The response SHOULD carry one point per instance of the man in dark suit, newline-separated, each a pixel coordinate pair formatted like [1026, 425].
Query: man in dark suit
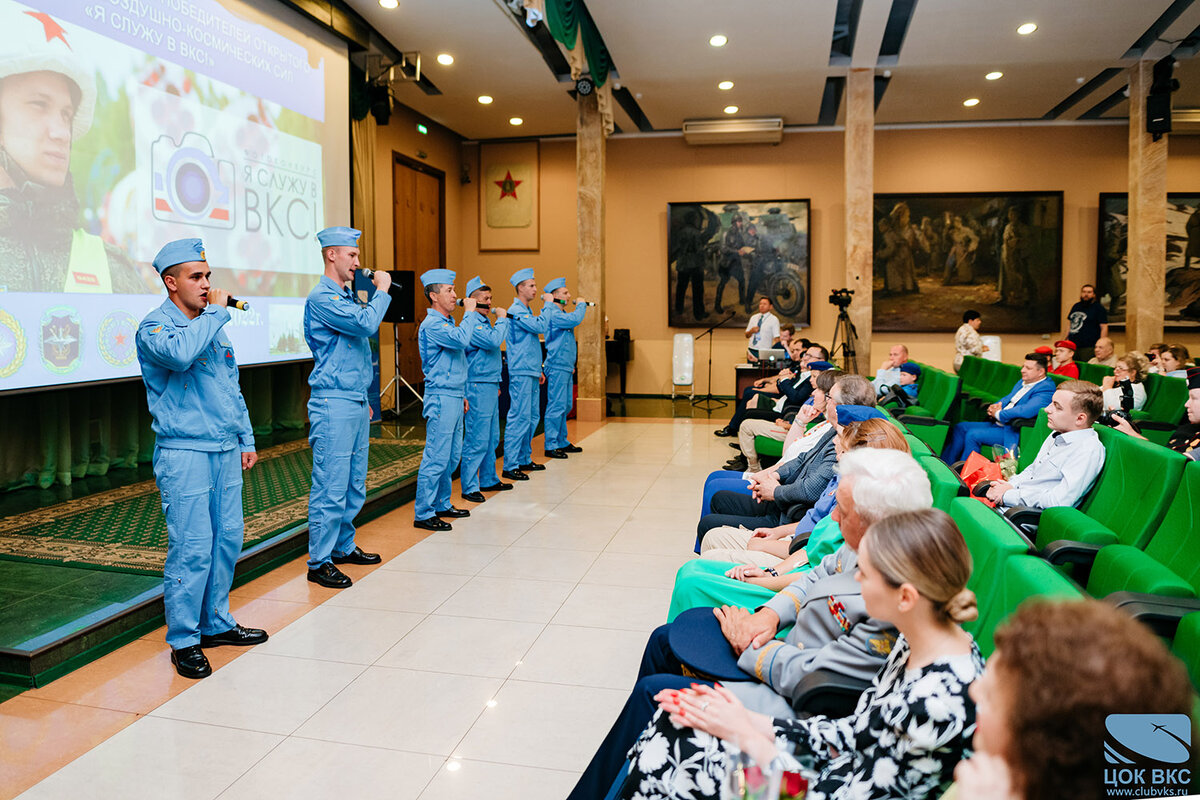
[1028, 396]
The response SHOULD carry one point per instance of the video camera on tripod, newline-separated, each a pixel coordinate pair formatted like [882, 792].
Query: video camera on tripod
[844, 330]
[841, 298]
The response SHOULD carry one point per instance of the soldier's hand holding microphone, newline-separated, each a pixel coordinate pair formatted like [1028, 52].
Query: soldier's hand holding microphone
[382, 280]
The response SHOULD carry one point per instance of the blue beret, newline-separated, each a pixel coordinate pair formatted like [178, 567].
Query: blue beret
[847, 414]
[437, 276]
[521, 275]
[696, 640]
[338, 237]
[475, 284]
[557, 283]
[820, 365]
[179, 251]
[910, 367]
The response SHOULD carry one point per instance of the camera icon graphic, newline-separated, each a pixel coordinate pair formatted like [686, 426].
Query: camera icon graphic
[190, 184]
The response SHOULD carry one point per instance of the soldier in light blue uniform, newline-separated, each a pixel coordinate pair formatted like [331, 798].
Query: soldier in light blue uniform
[443, 349]
[203, 442]
[524, 377]
[336, 328]
[477, 473]
[560, 365]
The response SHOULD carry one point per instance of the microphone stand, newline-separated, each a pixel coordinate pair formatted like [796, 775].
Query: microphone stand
[708, 402]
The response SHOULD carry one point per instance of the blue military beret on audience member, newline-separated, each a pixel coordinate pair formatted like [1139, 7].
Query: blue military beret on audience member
[338, 236]
[1193, 378]
[696, 640]
[475, 284]
[820, 366]
[847, 414]
[179, 251]
[556, 283]
[434, 276]
[521, 275]
[911, 368]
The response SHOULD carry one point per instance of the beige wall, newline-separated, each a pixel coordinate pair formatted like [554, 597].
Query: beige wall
[646, 174]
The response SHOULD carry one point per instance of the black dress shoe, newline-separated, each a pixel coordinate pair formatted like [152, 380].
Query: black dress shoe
[571, 448]
[499, 487]
[433, 524]
[724, 433]
[555, 454]
[237, 635]
[532, 467]
[330, 577]
[357, 556]
[190, 662]
[514, 475]
[735, 445]
[474, 497]
[454, 513]
[736, 465]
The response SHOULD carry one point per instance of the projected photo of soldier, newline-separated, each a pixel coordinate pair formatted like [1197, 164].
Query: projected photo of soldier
[47, 98]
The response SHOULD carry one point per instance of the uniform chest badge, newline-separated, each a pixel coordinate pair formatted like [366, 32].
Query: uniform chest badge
[838, 610]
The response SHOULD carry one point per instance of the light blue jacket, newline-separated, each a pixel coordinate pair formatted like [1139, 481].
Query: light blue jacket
[560, 336]
[483, 351]
[337, 328]
[191, 379]
[443, 346]
[524, 347]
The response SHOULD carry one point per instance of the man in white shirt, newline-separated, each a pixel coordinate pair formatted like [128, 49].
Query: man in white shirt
[1069, 460]
[888, 374]
[763, 328]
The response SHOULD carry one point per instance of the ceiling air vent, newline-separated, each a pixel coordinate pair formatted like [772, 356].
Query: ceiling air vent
[733, 131]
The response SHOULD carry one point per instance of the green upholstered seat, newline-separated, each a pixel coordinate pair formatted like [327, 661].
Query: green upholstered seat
[1017, 579]
[1164, 399]
[944, 484]
[991, 540]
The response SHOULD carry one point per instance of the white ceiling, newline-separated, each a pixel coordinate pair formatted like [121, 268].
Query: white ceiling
[778, 58]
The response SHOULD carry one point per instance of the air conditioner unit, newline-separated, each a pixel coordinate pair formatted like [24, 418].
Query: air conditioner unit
[1185, 121]
[733, 131]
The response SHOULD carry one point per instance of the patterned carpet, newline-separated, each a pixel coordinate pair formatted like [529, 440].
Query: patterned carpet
[124, 528]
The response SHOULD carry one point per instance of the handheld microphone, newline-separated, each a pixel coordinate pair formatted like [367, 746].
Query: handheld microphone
[564, 302]
[485, 306]
[240, 305]
[367, 273]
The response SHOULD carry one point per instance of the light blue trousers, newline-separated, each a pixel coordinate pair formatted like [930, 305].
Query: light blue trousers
[339, 431]
[202, 501]
[558, 405]
[443, 450]
[482, 437]
[523, 412]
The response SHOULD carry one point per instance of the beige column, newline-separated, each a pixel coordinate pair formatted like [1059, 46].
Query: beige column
[860, 188]
[1147, 236]
[589, 175]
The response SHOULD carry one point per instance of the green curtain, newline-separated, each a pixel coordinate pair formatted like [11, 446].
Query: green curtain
[59, 435]
[568, 20]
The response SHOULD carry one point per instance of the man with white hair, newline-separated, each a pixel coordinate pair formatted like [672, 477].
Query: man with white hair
[830, 627]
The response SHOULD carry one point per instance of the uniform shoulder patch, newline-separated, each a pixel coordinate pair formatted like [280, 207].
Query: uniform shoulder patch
[156, 329]
[882, 644]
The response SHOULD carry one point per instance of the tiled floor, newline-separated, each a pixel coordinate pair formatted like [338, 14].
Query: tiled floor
[484, 662]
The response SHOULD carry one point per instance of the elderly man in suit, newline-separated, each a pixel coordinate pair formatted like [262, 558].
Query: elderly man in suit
[1028, 396]
[830, 626]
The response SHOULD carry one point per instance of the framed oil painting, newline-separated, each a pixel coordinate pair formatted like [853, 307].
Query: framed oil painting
[937, 255]
[722, 256]
[1181, 300]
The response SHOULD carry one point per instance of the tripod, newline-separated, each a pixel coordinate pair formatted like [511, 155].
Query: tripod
[849, 336]
[396, 376]
[708, 402]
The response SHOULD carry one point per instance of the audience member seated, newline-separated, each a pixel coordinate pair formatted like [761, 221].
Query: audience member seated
[1058, 671]
[1070, 458]
[1131, 367]
[778, 428]
[1174, 361]
[904, 393]
[850, 642]
[1186, 438]
[888, 373]
[747, 406]
[1028, 396]
[1152, 353]
[1063, 360]
[967, 341]
[911, 726]
[787, 332]
[1106, 353]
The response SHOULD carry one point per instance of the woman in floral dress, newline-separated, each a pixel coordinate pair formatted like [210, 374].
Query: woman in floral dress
[910, 727]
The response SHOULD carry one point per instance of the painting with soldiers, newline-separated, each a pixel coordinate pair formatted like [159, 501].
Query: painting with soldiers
[938, 254]
[723, 256]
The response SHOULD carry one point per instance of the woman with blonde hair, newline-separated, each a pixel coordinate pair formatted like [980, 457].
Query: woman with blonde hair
[910, 727]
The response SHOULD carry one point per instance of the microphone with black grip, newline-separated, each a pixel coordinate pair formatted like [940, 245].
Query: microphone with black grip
[240, 305]
[564, 302]
[477, 305]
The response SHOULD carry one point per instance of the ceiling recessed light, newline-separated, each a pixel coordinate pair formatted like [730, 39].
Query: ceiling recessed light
[718, 40]
[389, 3]
[485, 99]
[445, 59]
[515, 121]
[453, 766]
[731, 109]
[994, 76]
[970, 102]
[725, 86]
[1027, 28]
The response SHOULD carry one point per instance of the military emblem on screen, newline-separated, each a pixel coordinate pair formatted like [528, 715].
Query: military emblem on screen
[1149, 755]
[12, 345]
[62, 338]
[190, 184]
[115, 338]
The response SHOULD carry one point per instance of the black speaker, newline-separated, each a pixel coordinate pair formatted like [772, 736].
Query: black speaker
[1158, 99]
[403, 292]
[381, 103]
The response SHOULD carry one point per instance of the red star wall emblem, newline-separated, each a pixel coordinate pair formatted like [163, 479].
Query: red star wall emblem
[53, 29]
[508, 186]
